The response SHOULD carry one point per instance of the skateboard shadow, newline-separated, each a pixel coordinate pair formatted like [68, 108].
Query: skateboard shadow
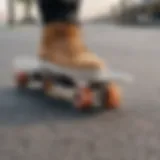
[32, 106]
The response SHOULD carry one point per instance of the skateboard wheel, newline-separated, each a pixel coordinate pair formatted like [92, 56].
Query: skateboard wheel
[22, 79]
[83, 99]
[112, 96]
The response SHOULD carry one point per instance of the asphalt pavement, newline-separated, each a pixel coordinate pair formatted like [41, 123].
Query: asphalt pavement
[35, 127]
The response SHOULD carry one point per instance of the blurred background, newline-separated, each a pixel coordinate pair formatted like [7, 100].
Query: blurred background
[35, 127]
[117, 11]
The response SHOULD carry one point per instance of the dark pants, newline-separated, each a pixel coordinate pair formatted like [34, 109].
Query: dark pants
[59, 10]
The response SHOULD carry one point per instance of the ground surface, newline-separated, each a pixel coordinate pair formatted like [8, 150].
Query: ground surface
[33, 127]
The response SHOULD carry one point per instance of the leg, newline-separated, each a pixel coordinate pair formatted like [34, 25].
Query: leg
[59, 10]
[61, 34]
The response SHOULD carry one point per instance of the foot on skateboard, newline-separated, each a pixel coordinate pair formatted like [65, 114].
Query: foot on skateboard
[90, 88]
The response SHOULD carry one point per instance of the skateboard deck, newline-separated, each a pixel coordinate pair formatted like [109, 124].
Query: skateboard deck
[32, 65]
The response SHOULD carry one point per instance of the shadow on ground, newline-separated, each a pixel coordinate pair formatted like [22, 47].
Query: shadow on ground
[32, 106]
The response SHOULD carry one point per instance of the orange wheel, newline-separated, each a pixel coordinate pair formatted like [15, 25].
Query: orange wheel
[112, 96]
[83, 99]
[22, 79]
[47, 86]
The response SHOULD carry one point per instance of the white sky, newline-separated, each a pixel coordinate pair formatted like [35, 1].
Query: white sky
[2, 4]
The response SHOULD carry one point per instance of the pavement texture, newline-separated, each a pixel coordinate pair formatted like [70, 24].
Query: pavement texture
[35, 127]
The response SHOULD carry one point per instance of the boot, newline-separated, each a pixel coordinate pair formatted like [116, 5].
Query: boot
[62, 45]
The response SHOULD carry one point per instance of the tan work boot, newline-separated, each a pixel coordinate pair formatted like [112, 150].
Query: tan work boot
[62, 45]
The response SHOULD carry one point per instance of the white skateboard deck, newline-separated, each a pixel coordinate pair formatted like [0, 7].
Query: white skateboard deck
[32, 64]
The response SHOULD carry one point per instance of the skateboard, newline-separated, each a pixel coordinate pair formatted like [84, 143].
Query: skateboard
[86, 89]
